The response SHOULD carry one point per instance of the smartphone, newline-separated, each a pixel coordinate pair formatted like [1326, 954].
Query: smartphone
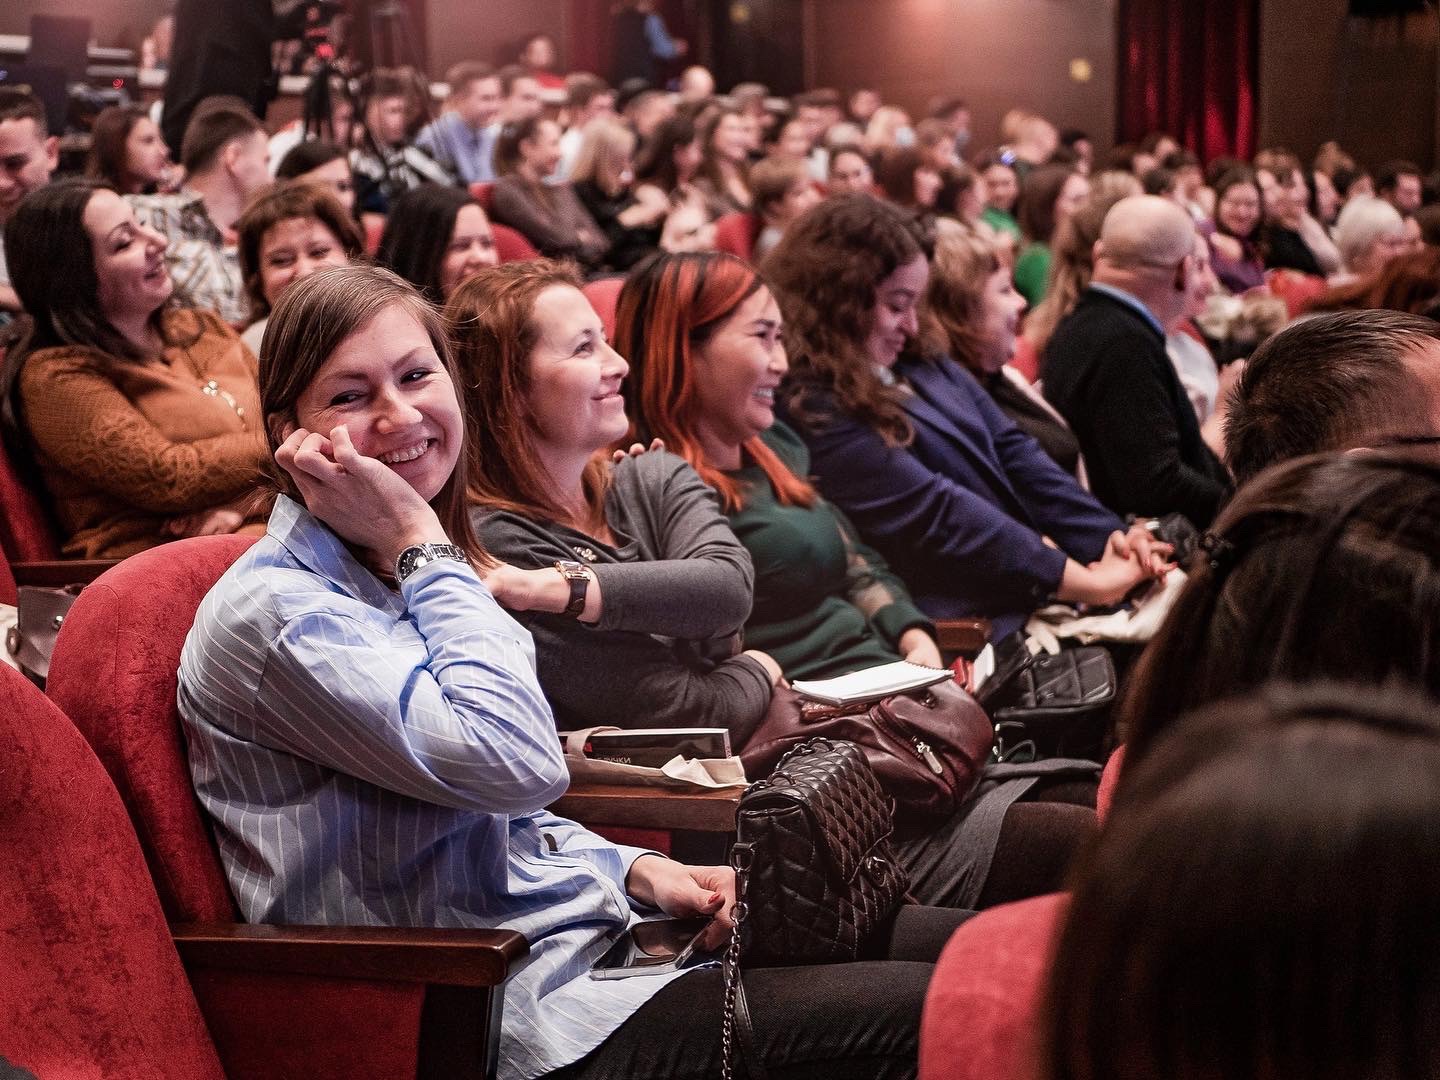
[657, 947]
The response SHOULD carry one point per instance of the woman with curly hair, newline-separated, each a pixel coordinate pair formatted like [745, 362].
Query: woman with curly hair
[914, 451]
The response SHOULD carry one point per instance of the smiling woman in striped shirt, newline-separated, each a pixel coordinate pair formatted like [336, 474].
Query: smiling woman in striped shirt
[367, 734]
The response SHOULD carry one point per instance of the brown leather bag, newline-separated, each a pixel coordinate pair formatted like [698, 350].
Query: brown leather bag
[927, 749]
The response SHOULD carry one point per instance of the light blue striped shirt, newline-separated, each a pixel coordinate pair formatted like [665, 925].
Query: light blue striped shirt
[380, 758]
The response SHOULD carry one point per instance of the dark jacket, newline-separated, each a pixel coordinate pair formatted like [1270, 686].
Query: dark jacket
[959, 513]
[1107, 372]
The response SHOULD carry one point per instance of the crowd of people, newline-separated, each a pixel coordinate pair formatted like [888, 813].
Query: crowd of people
[851, 376]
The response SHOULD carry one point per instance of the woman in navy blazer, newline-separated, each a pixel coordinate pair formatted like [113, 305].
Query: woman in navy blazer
[969, 509]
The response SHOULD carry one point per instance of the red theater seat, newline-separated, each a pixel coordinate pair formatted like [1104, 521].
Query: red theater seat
[735, 234]
[603, 296]
[324, 1017]
[512, 245]
[983, 1006]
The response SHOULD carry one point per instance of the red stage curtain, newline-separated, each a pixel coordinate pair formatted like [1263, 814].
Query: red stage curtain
[1190, 68]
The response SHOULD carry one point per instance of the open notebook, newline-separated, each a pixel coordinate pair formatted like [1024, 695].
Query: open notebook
[872, 684]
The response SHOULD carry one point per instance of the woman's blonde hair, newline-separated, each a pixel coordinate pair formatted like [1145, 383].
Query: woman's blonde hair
[605, 146]
[954, 304]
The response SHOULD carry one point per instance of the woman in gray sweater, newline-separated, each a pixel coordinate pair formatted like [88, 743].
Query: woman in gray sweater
[649, 580]
[632, 583]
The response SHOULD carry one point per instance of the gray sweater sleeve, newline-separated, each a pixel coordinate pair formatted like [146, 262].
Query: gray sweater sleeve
[697, 580]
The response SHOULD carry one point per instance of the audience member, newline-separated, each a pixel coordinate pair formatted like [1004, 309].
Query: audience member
[782, 190]
[669, 161]
[913, 451]
[1107, 372]
[549, 215]
[386, 163]
[127, 152]
[588, 99]
[647, 111]
[971, 313]
[604, 179]
[1205, 383]
[1338, 381]
[1292, 239]
[1002, 190]
[862, 103]
[724, 166]
[224, 158]
[908, 180]
[1071, 267]
[286, 234]
[1399, 183]
[1048, 196]
[462, 138]
[697, 85]
[1324, 198]
[954, 113]
[1369, 233]
[319, 162]
[140, 418]
[28, 155]
[962, 199]
[850, 172]
[1080, 144]
[888, 129]
[328, 114]
[1234, 236]
[538, 56]
[436, 238]
[1304, 816]
[519, 94]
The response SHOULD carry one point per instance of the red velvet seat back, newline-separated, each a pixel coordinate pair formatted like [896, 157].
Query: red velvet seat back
[512, 246]
[114, 674]
[735, 234]
[8, 593]
[483, 192]
[603, 295]
[93, 988]
[26, 534]
[983, 1006]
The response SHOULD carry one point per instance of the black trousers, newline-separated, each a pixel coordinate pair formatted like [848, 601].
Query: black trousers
[857, 1020]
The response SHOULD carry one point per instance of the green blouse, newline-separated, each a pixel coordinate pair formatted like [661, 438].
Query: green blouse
[1032, 272]
[825, 604]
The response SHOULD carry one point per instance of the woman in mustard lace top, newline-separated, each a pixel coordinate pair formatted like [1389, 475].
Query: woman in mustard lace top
[140, 418]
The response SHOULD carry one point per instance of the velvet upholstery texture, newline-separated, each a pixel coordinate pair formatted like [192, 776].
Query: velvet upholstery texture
[604, 295]
[511, 245]
[26, 534]
[735, 234]
[983, 1006]
[8, 593]
[123, 637]
[93, 987]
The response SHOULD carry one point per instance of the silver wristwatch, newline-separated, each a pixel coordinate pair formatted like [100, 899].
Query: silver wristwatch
[417, 555]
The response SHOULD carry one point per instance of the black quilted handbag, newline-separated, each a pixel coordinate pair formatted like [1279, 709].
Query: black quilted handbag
[814, 871]
[1060, 704]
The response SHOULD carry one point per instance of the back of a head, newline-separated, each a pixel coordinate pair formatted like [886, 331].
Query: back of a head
[771, 178]
[1146, 232]
[1360, 224]
[1261, 904]
[1331, 382]
[1035, 209]
[213, 124]
[1322, 565]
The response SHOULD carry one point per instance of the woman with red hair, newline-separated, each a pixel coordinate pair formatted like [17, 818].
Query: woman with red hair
[703, 335]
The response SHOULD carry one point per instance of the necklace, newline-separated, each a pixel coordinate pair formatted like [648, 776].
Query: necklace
[213, 389]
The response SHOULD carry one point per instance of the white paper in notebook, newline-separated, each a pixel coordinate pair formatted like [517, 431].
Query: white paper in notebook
[872, 683]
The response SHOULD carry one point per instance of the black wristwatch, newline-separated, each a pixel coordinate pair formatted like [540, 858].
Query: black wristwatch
[417, 555]
[578, 575]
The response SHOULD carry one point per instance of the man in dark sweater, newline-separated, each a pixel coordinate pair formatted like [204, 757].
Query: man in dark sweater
[1107, 372]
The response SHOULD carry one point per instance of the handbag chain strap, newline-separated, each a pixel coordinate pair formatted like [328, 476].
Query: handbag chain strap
[735, 1023]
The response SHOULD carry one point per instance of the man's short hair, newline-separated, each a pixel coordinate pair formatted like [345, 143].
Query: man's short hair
[465, 74]
[509, 75]
[771, 178]
[1387, 177]
[582, 88]
[1331, 382]
[214, 123]
[18, 104]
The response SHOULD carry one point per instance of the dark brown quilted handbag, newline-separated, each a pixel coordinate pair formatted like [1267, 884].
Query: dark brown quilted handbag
[927, 748]
[814, 871]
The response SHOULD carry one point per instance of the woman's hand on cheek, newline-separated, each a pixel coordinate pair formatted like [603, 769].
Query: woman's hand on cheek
[362, 500]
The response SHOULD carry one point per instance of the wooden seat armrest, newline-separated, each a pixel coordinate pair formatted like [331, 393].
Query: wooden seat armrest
[962, 637]
[650, 808]
[60, 572]
[444, 957]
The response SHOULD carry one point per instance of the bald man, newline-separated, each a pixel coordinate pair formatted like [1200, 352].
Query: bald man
[1107, 372]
